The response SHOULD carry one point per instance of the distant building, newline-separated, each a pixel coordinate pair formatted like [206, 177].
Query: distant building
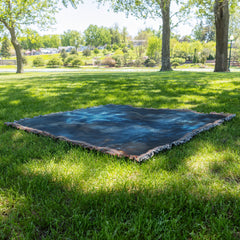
[82, 48]
[48, 50]
[67, 48]
[137, 43]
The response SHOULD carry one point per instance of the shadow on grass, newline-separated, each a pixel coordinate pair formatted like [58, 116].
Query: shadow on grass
[34, 95]
[43, 206]
[44, 203]
[55, 92]
[108, 198]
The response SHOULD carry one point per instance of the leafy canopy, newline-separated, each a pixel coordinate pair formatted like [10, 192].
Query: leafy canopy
[21, 13]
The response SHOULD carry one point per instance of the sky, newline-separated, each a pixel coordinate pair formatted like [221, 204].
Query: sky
[88, 13]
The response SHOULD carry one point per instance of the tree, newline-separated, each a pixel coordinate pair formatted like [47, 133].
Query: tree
[221, 10]
[15, 15]
[205, 32]
[144, 9]
[51, 41]
[72, 38]
[124, 35]
[165, 9]
[115, 35]
[144, 35]
[5, 50]
[31, 41]
[97, 36]
[154, 48]
[234, 25]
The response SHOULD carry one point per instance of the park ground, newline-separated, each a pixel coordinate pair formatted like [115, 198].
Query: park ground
[53, 190]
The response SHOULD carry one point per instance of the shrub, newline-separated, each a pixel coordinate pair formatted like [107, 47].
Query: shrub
[38, 62]
[105, 52]
[203, 59]
[175, 64]
[63, 54]
[24, 60]
[76, 62]
[68, 60]
[74, 51]
[86, 52]
[97, 62]
[96, 50]
[150, 62]
[126, 59]
[54, 62]
[119, 60]
[125, 50]
[118, 52]
[109, 48]
[115, 46]
[138, 62]
[178, 60]
[131, 46]
[109, 61]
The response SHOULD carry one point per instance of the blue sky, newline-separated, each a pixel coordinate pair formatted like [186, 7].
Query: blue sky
[89, 13]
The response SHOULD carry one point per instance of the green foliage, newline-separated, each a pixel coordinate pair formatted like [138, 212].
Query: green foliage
[38, 62]
[97, 36]
[192, 50]
[145, 35]
[68, 60]
[234, 25]
[118, 52]
[17, 14]
[105, 51]
[63, 54]
[115, 47]
[5, 49]
[109, 47]
[119, 60]
[126, 59]
[74, 51]
[138, 62]
[86, 52]
[178, 60]
[71, 38]
[115, 35]
[154, 48]
[125, 50]
[150, 62]
[73, 61]
[175, 64]
[31, 40]
[54, 62]
[205, 33]
[51, 41]
[24, 60]
[97, 62]
[77, 62]
[96, 50]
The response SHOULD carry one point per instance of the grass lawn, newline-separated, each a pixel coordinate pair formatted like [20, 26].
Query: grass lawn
[52, 190]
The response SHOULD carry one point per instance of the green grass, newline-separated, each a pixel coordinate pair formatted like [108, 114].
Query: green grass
[52, 190]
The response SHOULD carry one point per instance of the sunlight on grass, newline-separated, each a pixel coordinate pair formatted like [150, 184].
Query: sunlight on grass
[53, 190]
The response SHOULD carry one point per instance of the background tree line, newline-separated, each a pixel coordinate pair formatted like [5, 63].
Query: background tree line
[196, 48]
[17, 15]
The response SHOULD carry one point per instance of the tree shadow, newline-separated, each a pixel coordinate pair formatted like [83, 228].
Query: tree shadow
[110, 198]
[47, 207]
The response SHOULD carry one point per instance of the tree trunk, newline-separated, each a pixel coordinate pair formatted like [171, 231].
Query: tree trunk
[17, 48]
[165, 8]
[221, 12]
